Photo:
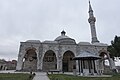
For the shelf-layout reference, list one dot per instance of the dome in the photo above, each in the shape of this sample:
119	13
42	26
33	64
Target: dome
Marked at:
65	39
33	41
61	37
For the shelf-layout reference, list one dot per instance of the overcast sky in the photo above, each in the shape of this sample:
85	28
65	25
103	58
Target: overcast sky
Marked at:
22	20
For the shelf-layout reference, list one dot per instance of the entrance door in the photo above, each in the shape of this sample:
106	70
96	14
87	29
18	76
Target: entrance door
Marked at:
65	66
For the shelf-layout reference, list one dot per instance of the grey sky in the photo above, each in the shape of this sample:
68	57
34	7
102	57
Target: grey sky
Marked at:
21	20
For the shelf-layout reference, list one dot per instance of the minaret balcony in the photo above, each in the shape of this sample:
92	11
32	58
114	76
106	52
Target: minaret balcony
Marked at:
92	19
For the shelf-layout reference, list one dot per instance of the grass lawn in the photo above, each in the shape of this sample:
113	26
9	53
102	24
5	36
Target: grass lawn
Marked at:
70	77
14	76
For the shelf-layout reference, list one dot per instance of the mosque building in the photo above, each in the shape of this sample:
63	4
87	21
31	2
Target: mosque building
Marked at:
59	54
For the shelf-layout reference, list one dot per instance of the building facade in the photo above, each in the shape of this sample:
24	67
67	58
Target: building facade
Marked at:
7	65
59	53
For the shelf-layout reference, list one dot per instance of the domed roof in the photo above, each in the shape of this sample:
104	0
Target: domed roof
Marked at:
33	41
63	39
63	36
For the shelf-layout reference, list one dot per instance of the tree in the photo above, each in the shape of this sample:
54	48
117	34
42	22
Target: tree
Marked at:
114	48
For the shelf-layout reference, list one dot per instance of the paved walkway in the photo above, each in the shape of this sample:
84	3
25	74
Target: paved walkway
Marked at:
41	76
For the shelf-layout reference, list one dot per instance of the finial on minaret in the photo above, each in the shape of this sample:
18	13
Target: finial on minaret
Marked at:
63	33
90	8
92	21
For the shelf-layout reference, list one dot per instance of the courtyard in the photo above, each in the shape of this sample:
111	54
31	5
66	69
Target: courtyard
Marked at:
23	76
13	75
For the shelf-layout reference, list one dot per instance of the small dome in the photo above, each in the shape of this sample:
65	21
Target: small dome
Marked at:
63	36
33	41
65	39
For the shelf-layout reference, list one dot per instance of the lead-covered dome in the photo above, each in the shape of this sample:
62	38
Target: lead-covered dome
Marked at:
63	39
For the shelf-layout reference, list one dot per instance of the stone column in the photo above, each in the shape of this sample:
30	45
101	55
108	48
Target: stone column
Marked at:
41	60
41	56
59	64
19	65
79	66
89	66
20	60
20	57
41	64
94	66
38	59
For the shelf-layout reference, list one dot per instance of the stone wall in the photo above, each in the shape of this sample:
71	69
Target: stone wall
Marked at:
59	49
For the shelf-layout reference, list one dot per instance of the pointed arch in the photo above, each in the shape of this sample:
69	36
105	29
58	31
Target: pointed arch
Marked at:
49	61
67	62
104	54
30	60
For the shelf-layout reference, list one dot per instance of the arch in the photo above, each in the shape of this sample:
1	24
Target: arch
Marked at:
30	60
104	54
67	62
49	61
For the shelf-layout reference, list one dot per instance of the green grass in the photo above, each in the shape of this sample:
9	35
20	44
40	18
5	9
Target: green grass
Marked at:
70	77
14	76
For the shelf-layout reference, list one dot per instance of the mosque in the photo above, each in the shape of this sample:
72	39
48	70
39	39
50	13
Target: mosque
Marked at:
59	53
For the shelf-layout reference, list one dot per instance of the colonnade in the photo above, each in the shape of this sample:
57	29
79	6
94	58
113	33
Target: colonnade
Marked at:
87	64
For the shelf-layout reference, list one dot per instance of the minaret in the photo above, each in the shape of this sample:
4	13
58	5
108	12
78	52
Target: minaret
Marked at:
92	21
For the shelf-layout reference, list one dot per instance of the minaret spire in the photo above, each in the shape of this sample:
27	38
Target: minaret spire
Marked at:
92	21
90	8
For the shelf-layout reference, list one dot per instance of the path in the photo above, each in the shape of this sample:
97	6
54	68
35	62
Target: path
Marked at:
41	76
